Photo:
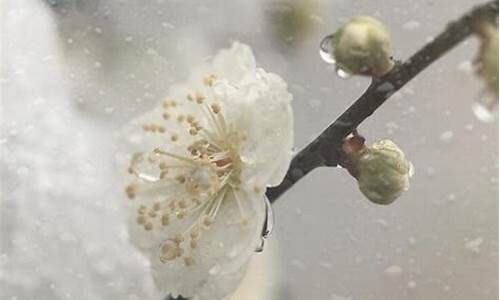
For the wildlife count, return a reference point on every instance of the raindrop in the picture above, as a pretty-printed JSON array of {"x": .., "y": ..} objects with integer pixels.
[
  {"x": 393, "y": 270},
  {"x": 214, "y": 270},
  {"x": 474, "y": 245},
  {"x": 267, "y": 227},
  {"x": 411, "y": 25},
  {"x": 446, "y": 136},
  {"x": 326, "y": 49},
  {"x": 342, "y": 73},
  {"x": 412, "y": 285},
  {"x": 484, "y": 109}
]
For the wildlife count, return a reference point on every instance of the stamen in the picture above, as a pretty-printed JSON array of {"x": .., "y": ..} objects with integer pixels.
[
  {"x": 240, "y": 206},
  {"x": 148, "y": 226},
  {"x": 188, "y": 261},
  {"x": 169, "y": 250},
  {"x": 179, "y": 157},
  {"x": 199, "y": 97},
  {"x": 165, "y": 220},
  {"x": 131, "y": 191},
  {"x": 215, "y": 108},
  {"x": 141, "y": 220},
  {"x": 209, "y": 80}
]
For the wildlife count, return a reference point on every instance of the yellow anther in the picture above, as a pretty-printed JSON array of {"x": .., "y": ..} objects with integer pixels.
[
  {"x": 141, "y": 220},
  {"x": 215, "y": 108},
  {"x": 188, "y": 261},
  {"x": 172, "y": 205},
  {"x": 131, "y": 191},
  {"x": 142, "y": 209},
  {"x": 195, "y": 233},
  {"x": 199, "y": 97},
  {"x": 148, "y": 226},
  {"x": 165, "y": 220},
  {"x": 181, "y": 179},
  {"x": 180, "y": 214},
  {"x": 209, "y": 80},
  {"x": 207, "y": 221},
  {"x": 178, "y": 238}
]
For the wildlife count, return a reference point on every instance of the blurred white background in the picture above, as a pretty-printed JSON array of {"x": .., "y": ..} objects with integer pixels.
[{"x": 73, "y": 71}]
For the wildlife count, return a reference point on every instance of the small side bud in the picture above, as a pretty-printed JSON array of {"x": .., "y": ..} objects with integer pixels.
[
  {"x": 382, "y": 171},
  {"x": 363, "y": 46},
  {"x": 487, "y": 60}
]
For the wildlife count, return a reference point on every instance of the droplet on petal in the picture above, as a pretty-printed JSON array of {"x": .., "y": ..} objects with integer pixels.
[{"x": 268, "y": 225}]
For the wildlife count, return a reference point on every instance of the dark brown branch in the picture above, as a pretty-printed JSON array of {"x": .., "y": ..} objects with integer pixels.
[{"x": 324, "y": 150}]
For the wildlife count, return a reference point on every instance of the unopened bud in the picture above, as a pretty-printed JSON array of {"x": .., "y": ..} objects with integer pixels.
[
  {"x": 363, "y": 46},
  {"x": 487, "y": 60},
  {"x": 382, "y": 171}
]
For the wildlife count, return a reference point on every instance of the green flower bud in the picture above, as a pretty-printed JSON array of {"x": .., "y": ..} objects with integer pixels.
[
  {"x": 363, "y": 46},
  {"x": 382, "y": 171}
]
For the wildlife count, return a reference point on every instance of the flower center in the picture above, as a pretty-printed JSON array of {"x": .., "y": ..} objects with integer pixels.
[{"x": 197, "y": 181}]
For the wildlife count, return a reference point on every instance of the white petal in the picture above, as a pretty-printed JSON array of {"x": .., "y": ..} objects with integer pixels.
[
  {"x": 234, "y": 63},
  {"x": 220, "y": 260},
  {"x": 260, "y": 105}
]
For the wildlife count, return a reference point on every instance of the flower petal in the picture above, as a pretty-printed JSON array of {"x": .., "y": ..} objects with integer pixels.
[
  {"x": 260, "y": 104},
  {"x": 215, "y": 267}
]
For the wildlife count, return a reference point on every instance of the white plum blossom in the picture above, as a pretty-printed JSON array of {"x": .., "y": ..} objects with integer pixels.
[{"x": 200, "y": 163}]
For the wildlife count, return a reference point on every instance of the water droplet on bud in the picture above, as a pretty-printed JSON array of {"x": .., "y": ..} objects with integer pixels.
[
  {"x": 342, "y": 73},
  {"x": 326, "y": 48},
  {"x": 485, "y": 109},
  {"x": 326, "y": 51}
]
